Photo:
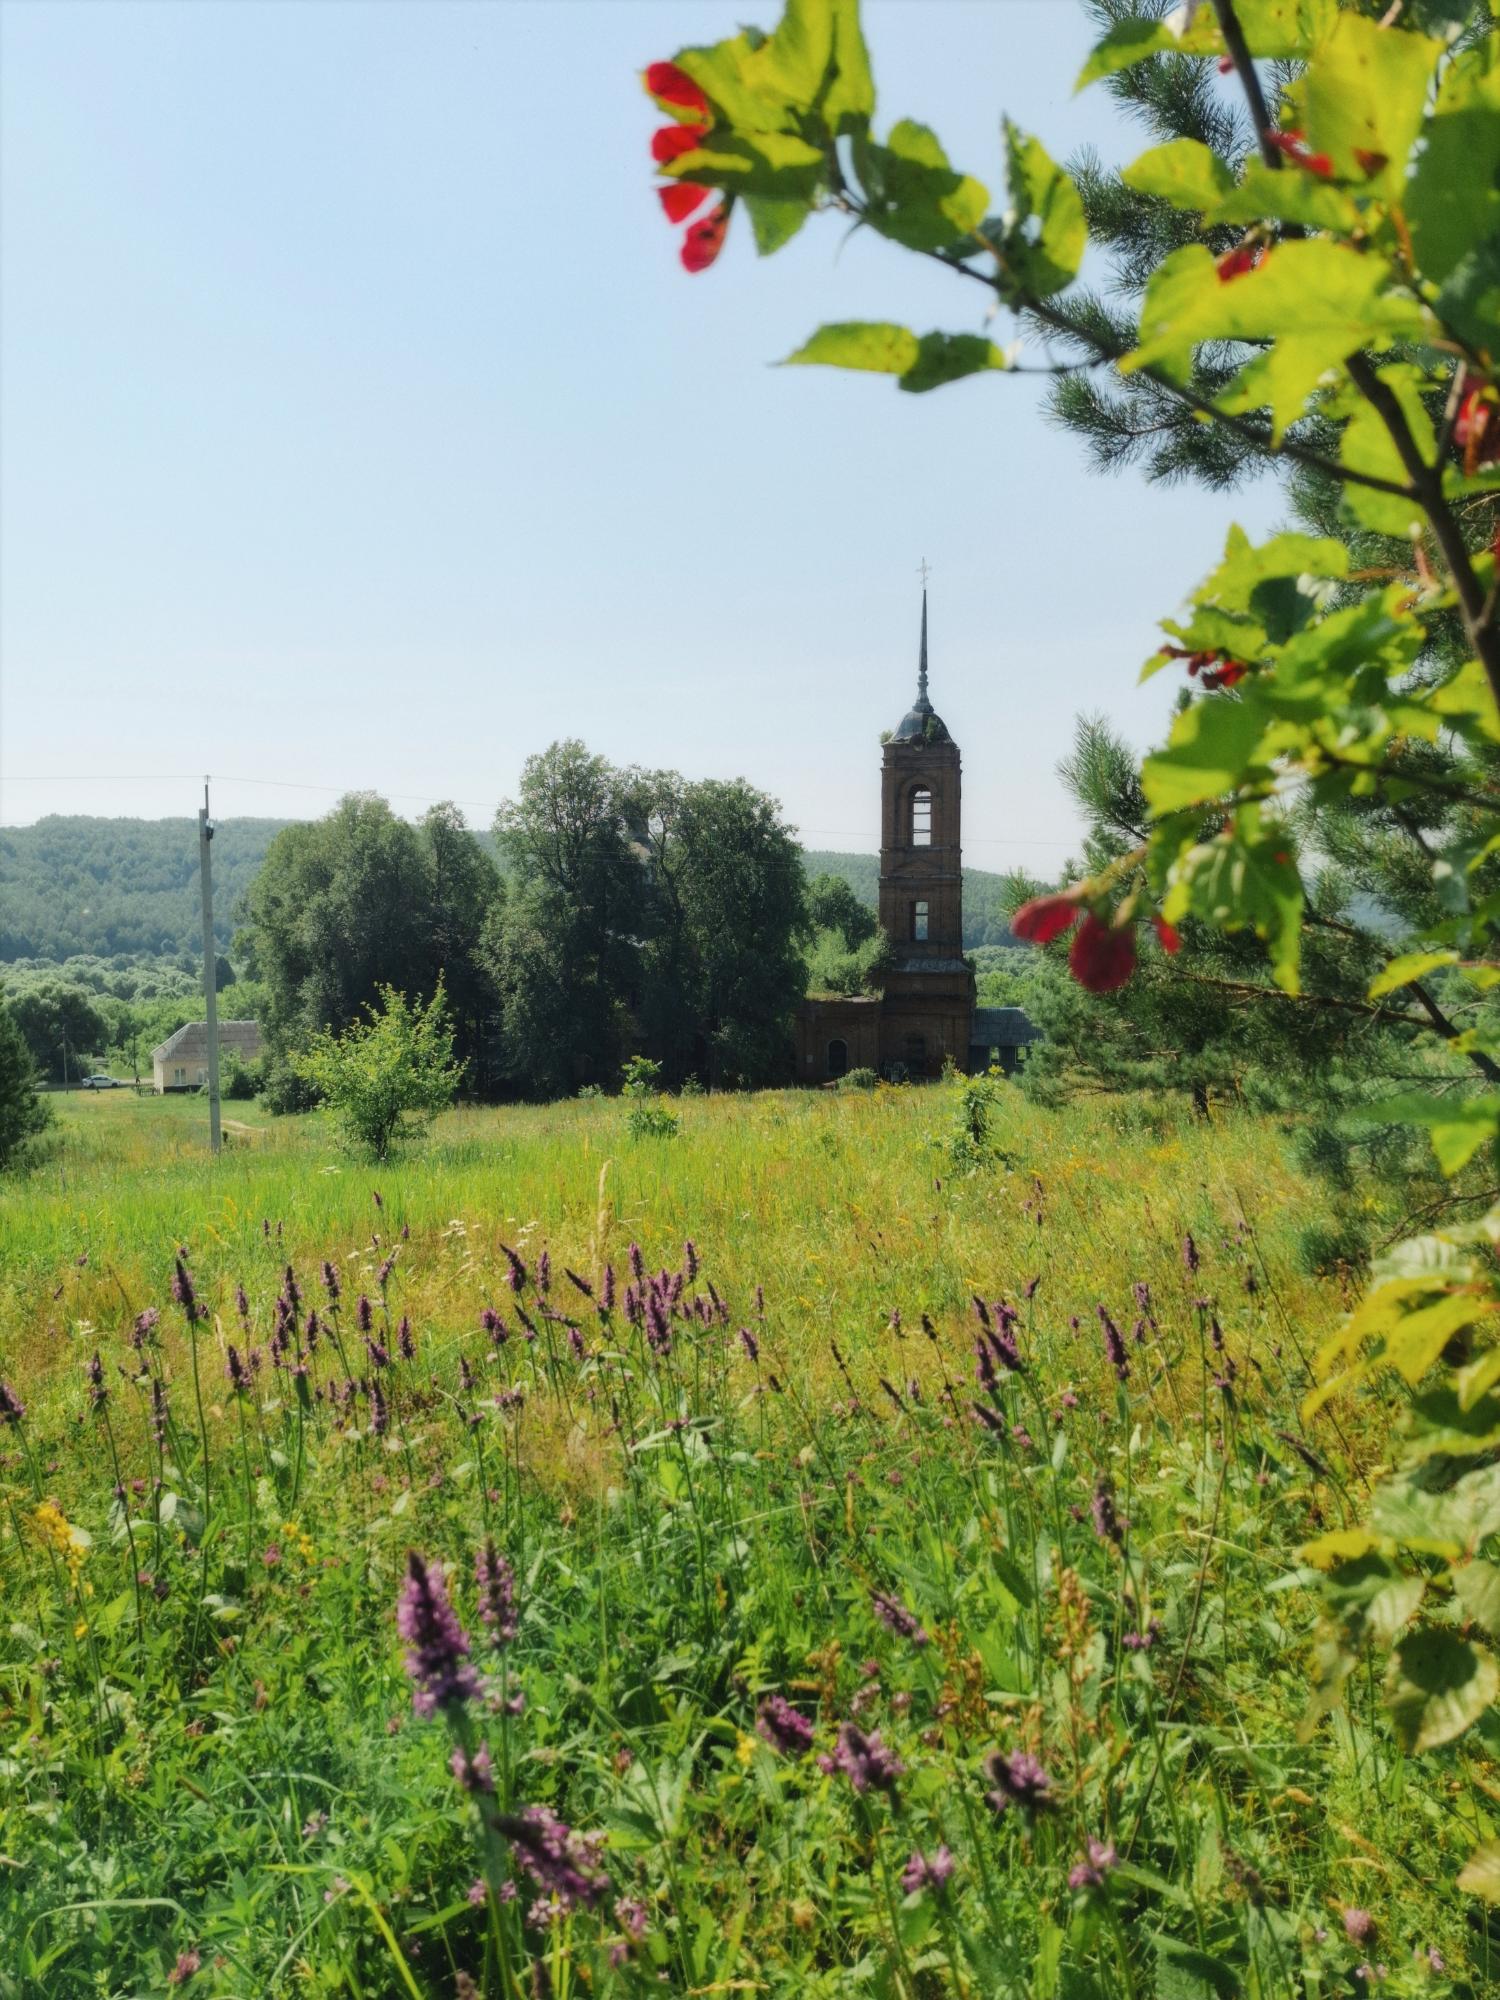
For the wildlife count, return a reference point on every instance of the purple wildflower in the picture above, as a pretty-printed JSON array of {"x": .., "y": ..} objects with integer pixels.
[
  {"x": 188, "y": 1962},
  {"x": 1142, "y": 1642},
  {"x": 607, "y": 1290},
  {"x": 438, "y": 1646},
  {"x": 1190, "y": 1257},
  {"x": 783, "y": 1727},
  {"x": 476, "y": 1773},
  {"x": 632, "y": 1917},
  {"x": 690, "y": 1260},
  {"x": 380, "y": 1357},
  {"x": 237, "y": 1374},
  {"x": 1003, "y": 1346},
  {"x": 658, "y": 1332},
  {"x": 331, "y": 1281},
  {"x": 242, "y": 1302},
  {"x": 560, "y": 1861},
  {"x": 364, "y": 1314},
  {"x": 144, "y": 1327},
  {"x": 380, "y": 1411},
  {"x": 894, "y": 1615},
  {"x": 405, "y": 1345},
  {"x": 1090, "y": 1874},
  {"x": 1114, "y": 1345},
  {"x": 1359, "y": 1926},
  {"x": 12, "y": 1409},
  {"x": 383, "y": 1275},
  {"x": 866, "y": 1761},
  {"x": 1017, "y": 1780},
  {"x": 183, "y": 1293},
  {"x": 544, "y": 1272},
  {"x": 94, "y": 1372},
  {"x": 1107, "y": 1524},
  {"x": 497, "y": 1594},
  {"x": 159, "y": 1412},
  {"x": 637, "y": 1263},
  {"x": 750, "y": 1344},
  {"x": 923, "y": 1871},
  {"x": 578, "y": 1284},
  {"x": 293, "y": 1289}
]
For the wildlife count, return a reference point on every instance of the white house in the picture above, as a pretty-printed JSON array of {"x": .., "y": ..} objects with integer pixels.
[{"x": 181, "y": 1062}]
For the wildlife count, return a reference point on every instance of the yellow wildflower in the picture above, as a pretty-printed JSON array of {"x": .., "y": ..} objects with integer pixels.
[{"x": 56, "y": 1532}]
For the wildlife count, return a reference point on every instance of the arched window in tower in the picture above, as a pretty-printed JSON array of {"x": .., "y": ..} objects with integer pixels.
[
  {"x": 921, "y": 817},
  {"x": 919, "y": 922}
]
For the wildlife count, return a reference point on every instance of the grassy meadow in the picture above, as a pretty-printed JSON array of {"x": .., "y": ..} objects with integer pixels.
[{"x": 830, "y": 1634}]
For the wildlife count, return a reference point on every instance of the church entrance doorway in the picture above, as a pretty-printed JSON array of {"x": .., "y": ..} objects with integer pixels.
[{"x": 838, "y": 1057}]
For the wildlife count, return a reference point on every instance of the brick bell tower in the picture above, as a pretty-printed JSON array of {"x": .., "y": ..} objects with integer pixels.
[{"x": 928, "y": 1009}]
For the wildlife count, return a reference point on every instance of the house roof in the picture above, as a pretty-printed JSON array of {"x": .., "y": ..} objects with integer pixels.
[
  {"x": 190, "y": 1043},
  {"x": 1002, "y": 1028}
]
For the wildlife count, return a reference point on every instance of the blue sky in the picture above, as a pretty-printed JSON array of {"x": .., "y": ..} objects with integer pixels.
[{"x": 358, "y": 428}]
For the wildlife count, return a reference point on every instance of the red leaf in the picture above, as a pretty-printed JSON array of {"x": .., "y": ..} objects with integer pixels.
[
  {"x": 1225, "y": 674},
  {"x": 705, "y": 239},
  {"x": 1476, "y": 428},
  {"x": 681, "y": 198},
  {"x": 1294, "y": 146},
  {"x": 1101, "y": 958},
  {"x": 1371, "y": 164},
  {"x": 670, "y": 85},
  {"x": 1171, "y": 938},
  {"x": 670, "y": 142},
  {"x": 1246, "y": 257},
  {"x": 1044, "y": 918}
]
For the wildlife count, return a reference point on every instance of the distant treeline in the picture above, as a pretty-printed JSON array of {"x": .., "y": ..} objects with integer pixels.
[{"x": 75, "y": 886}]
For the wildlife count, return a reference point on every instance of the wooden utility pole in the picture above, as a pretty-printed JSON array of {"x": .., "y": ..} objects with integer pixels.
[{"x": 210, "y": 969}]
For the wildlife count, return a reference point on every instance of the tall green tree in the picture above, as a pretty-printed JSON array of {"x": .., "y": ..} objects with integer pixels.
[
  {"x": 728, "y": 924},
  {"x": 64, "y": 1028},
  {"x": 23, "y": 1111},
  {"x": 357, "y": 901},
  {"x": 567, "y": 950},
  {"x": 465, "y": 899}
]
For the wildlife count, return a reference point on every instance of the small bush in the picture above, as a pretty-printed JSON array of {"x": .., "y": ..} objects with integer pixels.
[
  {"x": 858, "y": 1079},
  {"x": 387, "y": 1076},
  {"x": 971, "y": 1142},
  {"x": 647, "y": 1115},
  {"x": 242, "y": 1081}
]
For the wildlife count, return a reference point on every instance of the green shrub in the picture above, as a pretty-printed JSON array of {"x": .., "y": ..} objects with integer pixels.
[
  {"x": 858, "y": 1079},
  {"x": 388, "y": 1076},
  {"x": 647, "y": 1115}
]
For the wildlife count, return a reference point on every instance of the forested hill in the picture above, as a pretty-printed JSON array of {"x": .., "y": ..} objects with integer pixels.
[
  {"x": 81, "y": 887},
  {"x": 984, "y": 920}
]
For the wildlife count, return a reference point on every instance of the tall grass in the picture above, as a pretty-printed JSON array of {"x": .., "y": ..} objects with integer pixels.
[{"x": 1023, "y": 1574}]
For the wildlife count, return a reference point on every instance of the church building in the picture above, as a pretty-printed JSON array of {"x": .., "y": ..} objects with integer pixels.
[{"x": 926, "y": 1015}]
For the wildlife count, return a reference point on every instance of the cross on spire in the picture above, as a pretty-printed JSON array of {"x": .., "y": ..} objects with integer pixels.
[{"x": 922, "y": 701}]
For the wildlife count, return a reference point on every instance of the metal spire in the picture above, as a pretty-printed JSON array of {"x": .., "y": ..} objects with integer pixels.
[{"x": 922, "y": 701}]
